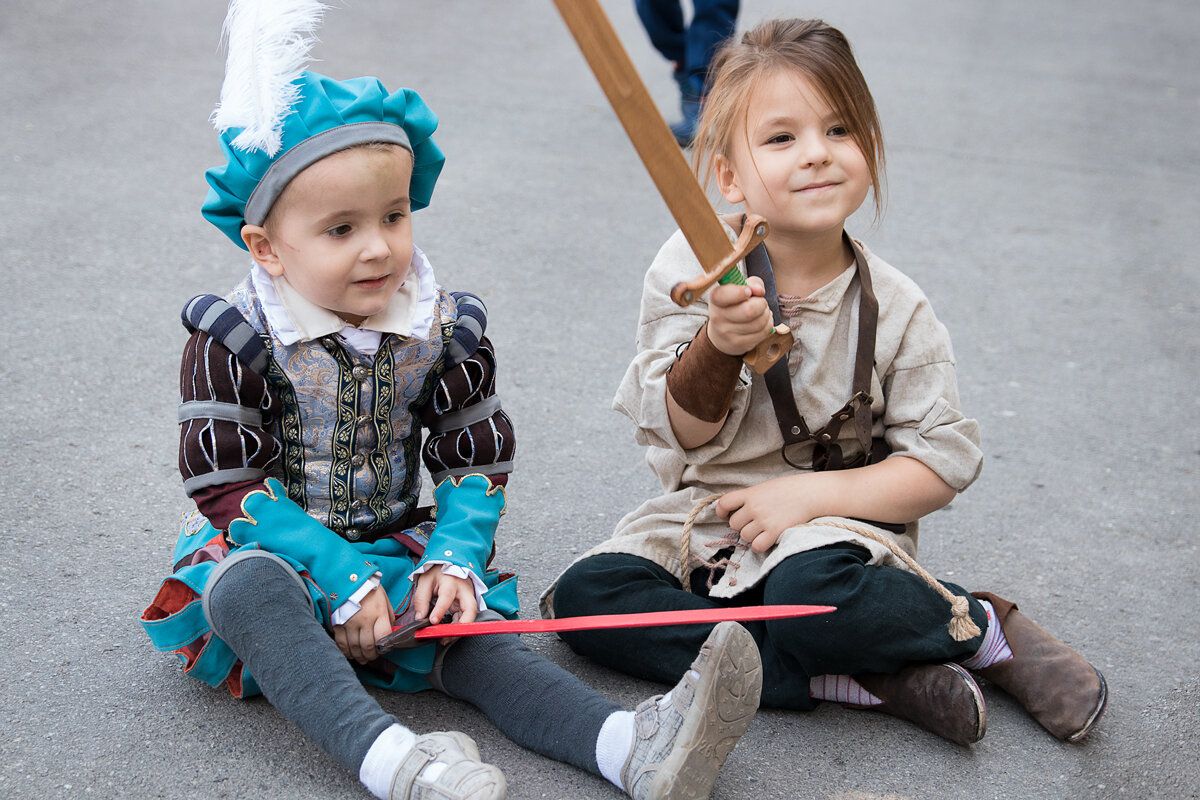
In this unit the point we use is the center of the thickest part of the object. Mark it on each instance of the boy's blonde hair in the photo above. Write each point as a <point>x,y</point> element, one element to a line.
<point>811,48</point>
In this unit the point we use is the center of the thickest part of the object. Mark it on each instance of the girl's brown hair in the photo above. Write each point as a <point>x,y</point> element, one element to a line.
<point>811,48</point>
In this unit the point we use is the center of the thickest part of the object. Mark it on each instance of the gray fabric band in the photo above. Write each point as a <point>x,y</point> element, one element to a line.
<point>198,482</point>
<point>243,555</point>
<point>464,417</point>
<point>309,152</point>
<point>499,468</point>
<point>211,315</point>
<point>213,409</point>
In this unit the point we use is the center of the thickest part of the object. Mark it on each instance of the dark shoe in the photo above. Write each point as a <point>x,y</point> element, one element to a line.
<point>1056,685</point>
<point>684,131</point>
<point>941,698</point>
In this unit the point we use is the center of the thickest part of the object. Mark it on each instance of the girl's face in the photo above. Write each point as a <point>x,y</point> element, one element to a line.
<point>797,164</point>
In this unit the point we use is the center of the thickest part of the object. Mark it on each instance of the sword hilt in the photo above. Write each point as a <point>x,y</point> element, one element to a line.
<point>779,340</point>
<point>725,271</point>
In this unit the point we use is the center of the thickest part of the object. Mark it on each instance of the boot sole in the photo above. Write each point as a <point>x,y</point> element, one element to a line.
<point>1096,714</point>
<point>724,705</point>
<point>980,705</point>
<point>967,682</point>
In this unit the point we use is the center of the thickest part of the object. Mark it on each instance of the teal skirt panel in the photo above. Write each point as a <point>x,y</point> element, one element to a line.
<point>175,620</point>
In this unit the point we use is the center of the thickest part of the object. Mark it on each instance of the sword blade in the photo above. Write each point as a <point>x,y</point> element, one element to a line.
<point>643,620</point>
<point>647,130</point>
<point>663,159</point>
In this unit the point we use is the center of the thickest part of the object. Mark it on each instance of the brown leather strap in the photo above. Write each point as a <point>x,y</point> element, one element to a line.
<point>702,379</point>
<point>827,454</point>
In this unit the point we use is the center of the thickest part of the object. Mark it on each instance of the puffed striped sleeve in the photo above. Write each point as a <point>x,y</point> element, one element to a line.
<point>225,448</point>
<point>469,431</point>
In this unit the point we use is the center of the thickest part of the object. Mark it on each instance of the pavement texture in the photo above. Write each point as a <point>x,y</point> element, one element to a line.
<point>1042,164</point>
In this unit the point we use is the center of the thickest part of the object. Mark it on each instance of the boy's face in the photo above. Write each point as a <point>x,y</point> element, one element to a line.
<point>341,232</point>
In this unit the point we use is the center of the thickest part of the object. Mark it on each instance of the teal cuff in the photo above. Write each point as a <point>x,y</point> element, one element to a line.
<point>468,510</point>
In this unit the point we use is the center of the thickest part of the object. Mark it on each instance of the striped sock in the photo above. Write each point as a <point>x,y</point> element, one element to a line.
<point>994,648</point>
<point>840,689</point>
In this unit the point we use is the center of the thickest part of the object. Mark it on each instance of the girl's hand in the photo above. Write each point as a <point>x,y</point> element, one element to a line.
<point>454,596</point>
<point>897,490</point>
<point>761,513</point>
<point>738,317</point>
<point>373,620</point>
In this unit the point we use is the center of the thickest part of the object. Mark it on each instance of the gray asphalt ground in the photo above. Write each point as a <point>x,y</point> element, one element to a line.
<point>1043,163</point>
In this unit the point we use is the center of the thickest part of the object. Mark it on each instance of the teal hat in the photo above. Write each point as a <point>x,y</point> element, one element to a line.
<point>328,116</point>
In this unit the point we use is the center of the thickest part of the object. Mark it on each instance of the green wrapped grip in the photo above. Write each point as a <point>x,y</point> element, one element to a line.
<point>734,276</point>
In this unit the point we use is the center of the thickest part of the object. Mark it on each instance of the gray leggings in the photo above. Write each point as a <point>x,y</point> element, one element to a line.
<point>258,605</point>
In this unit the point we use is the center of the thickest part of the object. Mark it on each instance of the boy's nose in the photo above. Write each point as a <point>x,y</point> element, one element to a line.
<point>376,247</point>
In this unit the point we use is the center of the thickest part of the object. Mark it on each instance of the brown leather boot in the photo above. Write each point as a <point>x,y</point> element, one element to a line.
<point>1056,685</point>
<point>941,698</point>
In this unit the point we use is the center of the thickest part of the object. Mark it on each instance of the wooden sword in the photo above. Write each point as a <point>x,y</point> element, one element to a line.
<point>669,170</point>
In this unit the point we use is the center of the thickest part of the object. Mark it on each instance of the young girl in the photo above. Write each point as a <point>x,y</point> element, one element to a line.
<point>305,394</point>
<point>824,464</point>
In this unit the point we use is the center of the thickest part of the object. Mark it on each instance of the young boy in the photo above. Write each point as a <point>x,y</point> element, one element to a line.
<point>305,392</point>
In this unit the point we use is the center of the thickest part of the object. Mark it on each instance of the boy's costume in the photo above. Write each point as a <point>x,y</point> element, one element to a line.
<point>289,419</point>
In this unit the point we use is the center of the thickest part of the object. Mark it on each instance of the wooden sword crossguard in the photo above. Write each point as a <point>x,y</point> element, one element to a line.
<point>779,339</point>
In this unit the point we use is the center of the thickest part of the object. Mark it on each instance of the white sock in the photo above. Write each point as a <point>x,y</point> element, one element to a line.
<point>385,754</point>
<point>841,689</point>
<point>615,742</point>
<point>613,746</point>
<point>994,648</point>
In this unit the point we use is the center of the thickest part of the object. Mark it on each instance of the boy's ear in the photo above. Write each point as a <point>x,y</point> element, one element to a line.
<point>261,250</point>
<point>727,180</point>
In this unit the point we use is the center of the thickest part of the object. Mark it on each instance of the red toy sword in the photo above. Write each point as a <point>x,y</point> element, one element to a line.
<point>415,634</point>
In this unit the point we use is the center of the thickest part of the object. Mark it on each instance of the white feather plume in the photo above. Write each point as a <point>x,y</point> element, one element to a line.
<point>268,44</point>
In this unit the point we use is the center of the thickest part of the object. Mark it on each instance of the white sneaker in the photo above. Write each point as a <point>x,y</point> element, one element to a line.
<point>679,748</point>
<point>463,776</point>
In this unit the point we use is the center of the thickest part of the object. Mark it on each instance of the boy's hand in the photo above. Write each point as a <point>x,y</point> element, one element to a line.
<point>761,513</point>
<point>374,619</point>
<point>738,317</point>
<point>454,596</point>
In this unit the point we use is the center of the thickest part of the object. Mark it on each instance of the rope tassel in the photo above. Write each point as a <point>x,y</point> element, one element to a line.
<point>961,627</point>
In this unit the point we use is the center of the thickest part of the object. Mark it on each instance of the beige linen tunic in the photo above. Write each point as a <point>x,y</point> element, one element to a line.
<point>915,408</point>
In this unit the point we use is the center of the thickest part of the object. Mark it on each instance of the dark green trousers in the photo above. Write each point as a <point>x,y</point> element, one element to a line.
<point>886,619</point>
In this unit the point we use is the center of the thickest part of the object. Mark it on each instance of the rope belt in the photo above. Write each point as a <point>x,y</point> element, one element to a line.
<point>961,627</point>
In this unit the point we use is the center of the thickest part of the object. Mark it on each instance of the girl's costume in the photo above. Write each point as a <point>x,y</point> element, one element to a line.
<point>842,406</point>
<point>325,444</point>
<point>914,409</point>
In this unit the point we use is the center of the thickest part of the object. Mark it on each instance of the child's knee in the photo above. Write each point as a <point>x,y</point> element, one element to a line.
<point>244,579</point>
<point>598,584</point>
<point>820,577</point>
